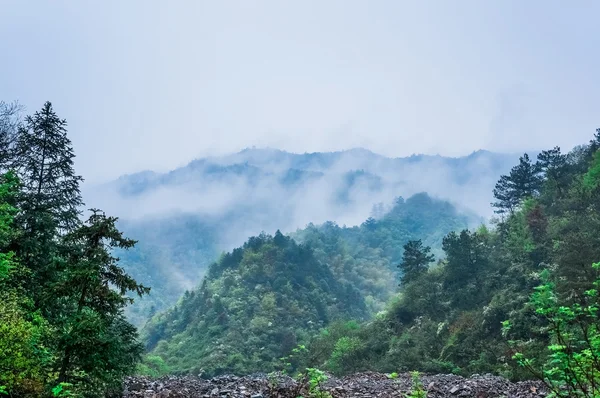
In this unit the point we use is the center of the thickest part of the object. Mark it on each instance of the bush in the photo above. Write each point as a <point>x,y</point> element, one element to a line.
<point>572,363</point>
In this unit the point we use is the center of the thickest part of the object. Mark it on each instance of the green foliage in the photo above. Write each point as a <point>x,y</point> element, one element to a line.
<point>255,306</point>
<point>345,355</point>
<point>417,390</point>
<point>415,260</point>
<point>448,319</point>
<point>315,378</point>
<point>24,354</point>
<point>571,367</point>
<point>62,390</point>
<point>522,182</point>
<point>62,293</point>
<point>153,366</point>
<point>591,179</point>
<point>367,256</point>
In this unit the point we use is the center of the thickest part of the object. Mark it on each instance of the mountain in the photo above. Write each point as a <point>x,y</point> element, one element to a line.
<point>186,217</point>
<point>253,307</point>
<point>260,300</point>
<point>525,288</point>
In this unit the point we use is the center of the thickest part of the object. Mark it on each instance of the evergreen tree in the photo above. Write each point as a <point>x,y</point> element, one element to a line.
<point>522,182</point>
<point>44,159</point>
<point>594,143</point>
<point>96,288</point>
<point>466,262</point>
<point>553,164</point>
<point>415,260</point>
<point>49,199</point>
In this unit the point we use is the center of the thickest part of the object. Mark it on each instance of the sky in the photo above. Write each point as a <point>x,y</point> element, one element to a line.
<point>154,84</point>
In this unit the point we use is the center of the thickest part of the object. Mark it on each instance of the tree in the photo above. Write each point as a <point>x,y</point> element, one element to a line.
<point>595,142</point>
<point>522,182</point>
<point>553,164</point>
<point>49,198</point>
<point>44,160</point>
<point>9,125</point>
<point>572,365</point>
<point>96,288</point>
<point>466,262</point>
<point>415,260</point>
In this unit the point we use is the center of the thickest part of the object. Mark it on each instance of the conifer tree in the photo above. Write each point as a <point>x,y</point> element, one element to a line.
<point>96,287</point>
<point>49,199</point>
<point>44,159</point>
<point>415,260</point>
<point>522,182</point>
<point>553,164</point>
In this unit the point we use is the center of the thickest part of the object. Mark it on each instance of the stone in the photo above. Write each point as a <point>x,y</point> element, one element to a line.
<point>137,386</point>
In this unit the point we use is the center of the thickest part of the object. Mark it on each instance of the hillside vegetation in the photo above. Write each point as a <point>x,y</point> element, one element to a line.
<point>185,218</point>
<point>262,299</point>
<point>470,312</point>
<point>449,317</point>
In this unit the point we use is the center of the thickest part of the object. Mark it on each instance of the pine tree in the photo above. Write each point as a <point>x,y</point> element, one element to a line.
<point>97,288</point>
<point>553,164</point>
<point>415,260</point>
<point>49,199</point>
<point>522,182</point>
<point>44,160</point>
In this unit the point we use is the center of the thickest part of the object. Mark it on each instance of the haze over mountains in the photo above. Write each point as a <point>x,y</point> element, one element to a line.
<point>184,218</point>
<point>340,186</point>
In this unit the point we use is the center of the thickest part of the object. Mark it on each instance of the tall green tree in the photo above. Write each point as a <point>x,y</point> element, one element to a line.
<point>44,160</point>
<point>49,200</point>
<point>96,340</point>
<point>522,182</point>
<point>415,260</point>
<point>555,169</point>
<point>467,260</point>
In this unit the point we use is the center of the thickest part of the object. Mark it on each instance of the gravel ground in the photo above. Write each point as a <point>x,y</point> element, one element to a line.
<point>364,385</point>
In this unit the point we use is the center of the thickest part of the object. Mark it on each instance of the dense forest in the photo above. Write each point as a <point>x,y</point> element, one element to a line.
<point>62,292</point>
<point>262,299</point>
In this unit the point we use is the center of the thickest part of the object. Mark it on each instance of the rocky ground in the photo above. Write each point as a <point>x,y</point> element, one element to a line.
<point>362,385</point>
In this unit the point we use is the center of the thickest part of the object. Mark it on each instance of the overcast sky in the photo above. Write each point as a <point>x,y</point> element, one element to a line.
<point>153,84</point>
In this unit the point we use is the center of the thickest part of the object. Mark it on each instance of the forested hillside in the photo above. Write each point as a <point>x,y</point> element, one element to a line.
<point>186,217</point>
<point>449,317</point>
<point>254,306</point>
<point>367,256</point>
<point>474,311</point>
<point>262,299</point>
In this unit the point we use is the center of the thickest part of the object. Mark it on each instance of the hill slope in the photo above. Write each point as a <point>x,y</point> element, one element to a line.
<point>186,217</point>
<point>253,307</point>
<point>260,300</point>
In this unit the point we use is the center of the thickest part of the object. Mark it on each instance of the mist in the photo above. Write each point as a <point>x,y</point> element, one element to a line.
<point>339,186</point>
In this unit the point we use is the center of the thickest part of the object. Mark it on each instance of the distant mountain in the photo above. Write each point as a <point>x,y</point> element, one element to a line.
<point>260,300</point>
<point>184,218</point>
